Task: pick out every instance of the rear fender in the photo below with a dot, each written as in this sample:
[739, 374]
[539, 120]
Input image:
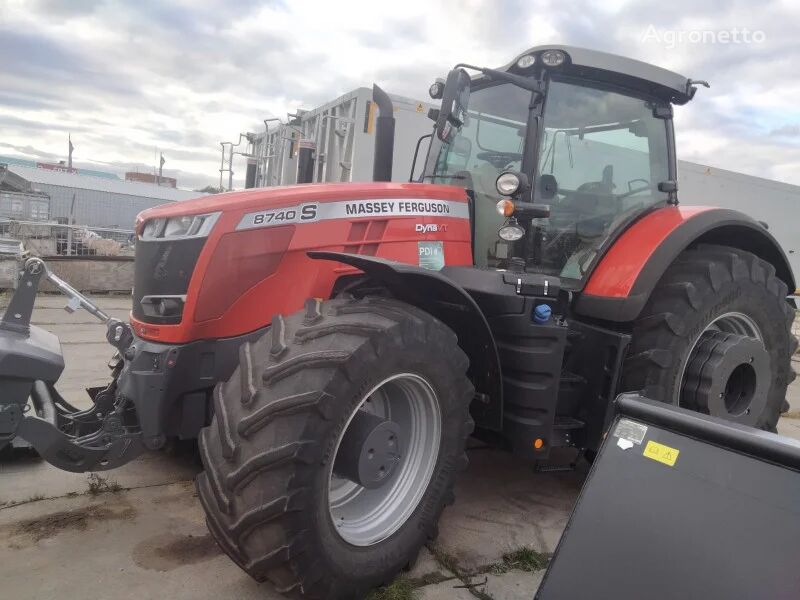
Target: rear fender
[623, 280]
[451, 304]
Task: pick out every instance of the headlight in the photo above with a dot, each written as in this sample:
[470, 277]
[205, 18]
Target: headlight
[508, 184]
[523, 62]
[178, 228]
[511, 232]
[553, 58]
[153, 228]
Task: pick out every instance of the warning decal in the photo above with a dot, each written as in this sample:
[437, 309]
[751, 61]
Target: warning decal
[661, 453]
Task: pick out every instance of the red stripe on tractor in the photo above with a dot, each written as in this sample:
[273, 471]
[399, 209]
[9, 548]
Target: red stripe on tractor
[618, 270]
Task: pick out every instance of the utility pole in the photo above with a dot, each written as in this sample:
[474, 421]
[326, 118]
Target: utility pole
[161, 169]
[230, 169]
[70, 221]
[222, 168]
[71, 148]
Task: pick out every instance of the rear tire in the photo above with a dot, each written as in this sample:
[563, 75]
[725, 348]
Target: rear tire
[269, 451]
[703, 285]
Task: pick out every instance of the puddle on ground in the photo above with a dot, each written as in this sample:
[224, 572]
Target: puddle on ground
[170, 551]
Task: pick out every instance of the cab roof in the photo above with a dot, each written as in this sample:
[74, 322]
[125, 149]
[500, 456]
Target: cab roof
[620, 70]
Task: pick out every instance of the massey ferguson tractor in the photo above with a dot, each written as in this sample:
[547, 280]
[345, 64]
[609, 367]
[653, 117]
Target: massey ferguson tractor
[332, 346]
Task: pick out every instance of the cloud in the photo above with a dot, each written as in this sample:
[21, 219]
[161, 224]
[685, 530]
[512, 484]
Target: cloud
[131, 79]
[792, 130]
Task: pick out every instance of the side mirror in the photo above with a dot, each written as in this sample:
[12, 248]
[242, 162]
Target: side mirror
[455, 100]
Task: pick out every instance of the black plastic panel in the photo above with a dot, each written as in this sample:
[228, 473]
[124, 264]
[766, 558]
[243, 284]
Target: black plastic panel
[163, 269]
[716, 517]
[170, 399]
[594, 358]
[530, 356]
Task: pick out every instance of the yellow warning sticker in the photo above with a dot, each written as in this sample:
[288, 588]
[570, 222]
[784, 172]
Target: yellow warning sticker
[661, 453]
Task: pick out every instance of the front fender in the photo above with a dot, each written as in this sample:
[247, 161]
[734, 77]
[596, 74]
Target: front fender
[624, 278]
[451, 304]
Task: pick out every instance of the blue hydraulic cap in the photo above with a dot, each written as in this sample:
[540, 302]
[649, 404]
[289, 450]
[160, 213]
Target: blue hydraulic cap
[541, 314]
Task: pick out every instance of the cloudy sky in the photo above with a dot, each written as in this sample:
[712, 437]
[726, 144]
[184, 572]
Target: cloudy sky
[128, 77]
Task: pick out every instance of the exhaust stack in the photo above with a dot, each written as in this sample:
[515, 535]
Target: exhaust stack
[384, 136]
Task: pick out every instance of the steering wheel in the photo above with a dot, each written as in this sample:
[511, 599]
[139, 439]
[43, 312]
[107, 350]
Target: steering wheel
[499, 159]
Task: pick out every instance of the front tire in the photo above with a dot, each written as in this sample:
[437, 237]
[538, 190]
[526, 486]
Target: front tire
[272, 499]
[716, 291]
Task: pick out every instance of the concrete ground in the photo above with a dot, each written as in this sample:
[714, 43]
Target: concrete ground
[139, 531]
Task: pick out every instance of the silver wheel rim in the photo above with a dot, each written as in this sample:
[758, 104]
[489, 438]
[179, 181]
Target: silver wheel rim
[730, 322]
[364, 517]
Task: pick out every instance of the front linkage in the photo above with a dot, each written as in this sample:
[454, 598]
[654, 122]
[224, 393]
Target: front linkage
[105, 436]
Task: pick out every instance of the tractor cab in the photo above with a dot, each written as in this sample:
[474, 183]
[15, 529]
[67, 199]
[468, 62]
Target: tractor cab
[575, 144]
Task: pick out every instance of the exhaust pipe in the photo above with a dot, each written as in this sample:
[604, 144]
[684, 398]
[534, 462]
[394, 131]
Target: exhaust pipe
[384, 136]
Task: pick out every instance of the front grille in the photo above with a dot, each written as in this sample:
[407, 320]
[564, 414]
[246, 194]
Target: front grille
[163, 268]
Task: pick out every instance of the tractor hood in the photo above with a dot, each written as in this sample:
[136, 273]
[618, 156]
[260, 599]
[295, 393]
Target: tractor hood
[209, 268]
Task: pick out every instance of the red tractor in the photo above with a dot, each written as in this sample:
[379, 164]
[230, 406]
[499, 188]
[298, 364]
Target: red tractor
[333, 346]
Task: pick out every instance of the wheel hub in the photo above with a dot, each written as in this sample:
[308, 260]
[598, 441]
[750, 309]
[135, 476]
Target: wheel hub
[369, 451]
[727, 376]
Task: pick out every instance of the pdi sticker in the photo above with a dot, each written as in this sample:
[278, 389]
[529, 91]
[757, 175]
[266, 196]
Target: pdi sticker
[431, 255]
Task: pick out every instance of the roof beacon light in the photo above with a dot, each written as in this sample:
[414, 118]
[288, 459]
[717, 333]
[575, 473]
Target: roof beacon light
[553, 58]
[526, 61]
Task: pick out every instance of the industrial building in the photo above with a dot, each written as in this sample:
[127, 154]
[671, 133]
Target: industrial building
[91, 198]
[159, 180]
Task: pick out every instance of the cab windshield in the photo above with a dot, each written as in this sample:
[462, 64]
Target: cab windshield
[601, 155]
[492, 140]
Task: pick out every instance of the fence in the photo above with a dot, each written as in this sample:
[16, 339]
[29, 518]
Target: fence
[53, 239]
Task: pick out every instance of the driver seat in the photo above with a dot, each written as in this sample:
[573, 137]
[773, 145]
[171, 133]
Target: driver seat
[595, 199]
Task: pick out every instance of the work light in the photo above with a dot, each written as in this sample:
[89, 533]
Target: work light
[512, 231]
[523, 62]
[553, 58]
[436, 90]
